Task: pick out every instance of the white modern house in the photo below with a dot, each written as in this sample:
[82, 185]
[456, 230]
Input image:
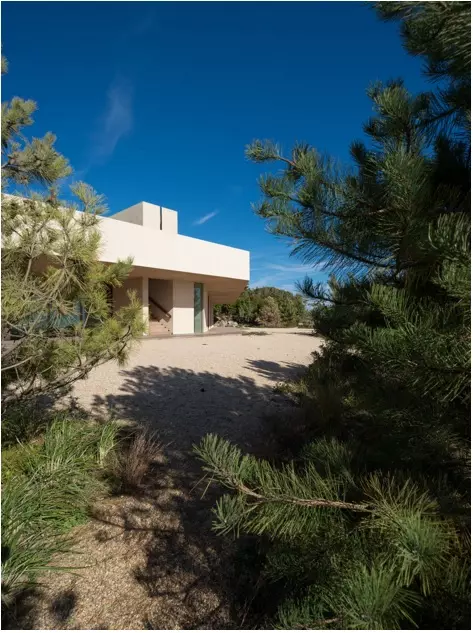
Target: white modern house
[177, 278]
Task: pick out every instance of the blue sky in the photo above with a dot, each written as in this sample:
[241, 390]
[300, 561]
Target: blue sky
[156, 101]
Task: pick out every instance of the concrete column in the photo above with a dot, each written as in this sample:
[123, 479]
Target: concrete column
[183, 308]
[211, 311]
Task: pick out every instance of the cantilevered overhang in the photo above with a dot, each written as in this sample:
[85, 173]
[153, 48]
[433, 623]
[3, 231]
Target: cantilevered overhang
[175, 255]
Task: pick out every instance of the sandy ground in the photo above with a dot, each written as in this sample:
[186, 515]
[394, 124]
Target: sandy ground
[153, 561]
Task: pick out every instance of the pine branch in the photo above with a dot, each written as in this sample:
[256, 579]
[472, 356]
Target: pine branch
[307, 503]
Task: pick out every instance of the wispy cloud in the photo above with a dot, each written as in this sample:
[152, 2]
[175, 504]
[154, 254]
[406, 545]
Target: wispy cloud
[275, 253]
[283, 276]
[297, 268]
[116, 121]
[268, 280]
[144, 24]
[206, 218]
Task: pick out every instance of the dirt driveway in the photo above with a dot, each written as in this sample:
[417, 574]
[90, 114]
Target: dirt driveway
[189, 386]
[153, 561]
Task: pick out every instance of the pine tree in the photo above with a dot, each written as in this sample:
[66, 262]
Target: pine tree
[369, 526]
[56, 321]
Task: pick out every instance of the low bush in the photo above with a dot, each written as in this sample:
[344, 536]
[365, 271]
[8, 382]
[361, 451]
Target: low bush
[47, 489]
[269, 314]
[251, 308]
[22, 423]
[135, 461]
[252, 333]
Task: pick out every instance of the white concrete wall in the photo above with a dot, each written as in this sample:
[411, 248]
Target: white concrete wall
[133, 214]
[169, 220]
[151, 216]
[152, 248]
[183, 310]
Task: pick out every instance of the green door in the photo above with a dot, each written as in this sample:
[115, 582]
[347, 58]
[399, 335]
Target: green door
[198, 307]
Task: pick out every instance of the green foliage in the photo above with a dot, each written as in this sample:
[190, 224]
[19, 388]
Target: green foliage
[368, 526]
[247, 310]
[369, 597]
[269, 314]
[23, 423]
[47, 488]
[56, 321]
[374, 546]
[440, 33]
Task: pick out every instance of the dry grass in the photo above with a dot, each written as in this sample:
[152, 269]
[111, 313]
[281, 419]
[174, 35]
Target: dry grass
[135, 461]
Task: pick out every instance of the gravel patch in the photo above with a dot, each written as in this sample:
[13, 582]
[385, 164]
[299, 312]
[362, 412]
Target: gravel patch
[152, 561]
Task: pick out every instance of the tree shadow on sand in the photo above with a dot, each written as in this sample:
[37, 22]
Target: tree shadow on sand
[150, 558]
[276, 371]
[182, 406]
[193, 575]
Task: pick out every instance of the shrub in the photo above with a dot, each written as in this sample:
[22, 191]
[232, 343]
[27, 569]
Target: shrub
[269, 315]
[134, 462]
[22, 423]
[48, 489]
[247, 307]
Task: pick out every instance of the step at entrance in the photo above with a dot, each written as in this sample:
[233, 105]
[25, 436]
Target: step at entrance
[158, 328]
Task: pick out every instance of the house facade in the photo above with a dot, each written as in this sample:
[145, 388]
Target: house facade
[178, 279]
